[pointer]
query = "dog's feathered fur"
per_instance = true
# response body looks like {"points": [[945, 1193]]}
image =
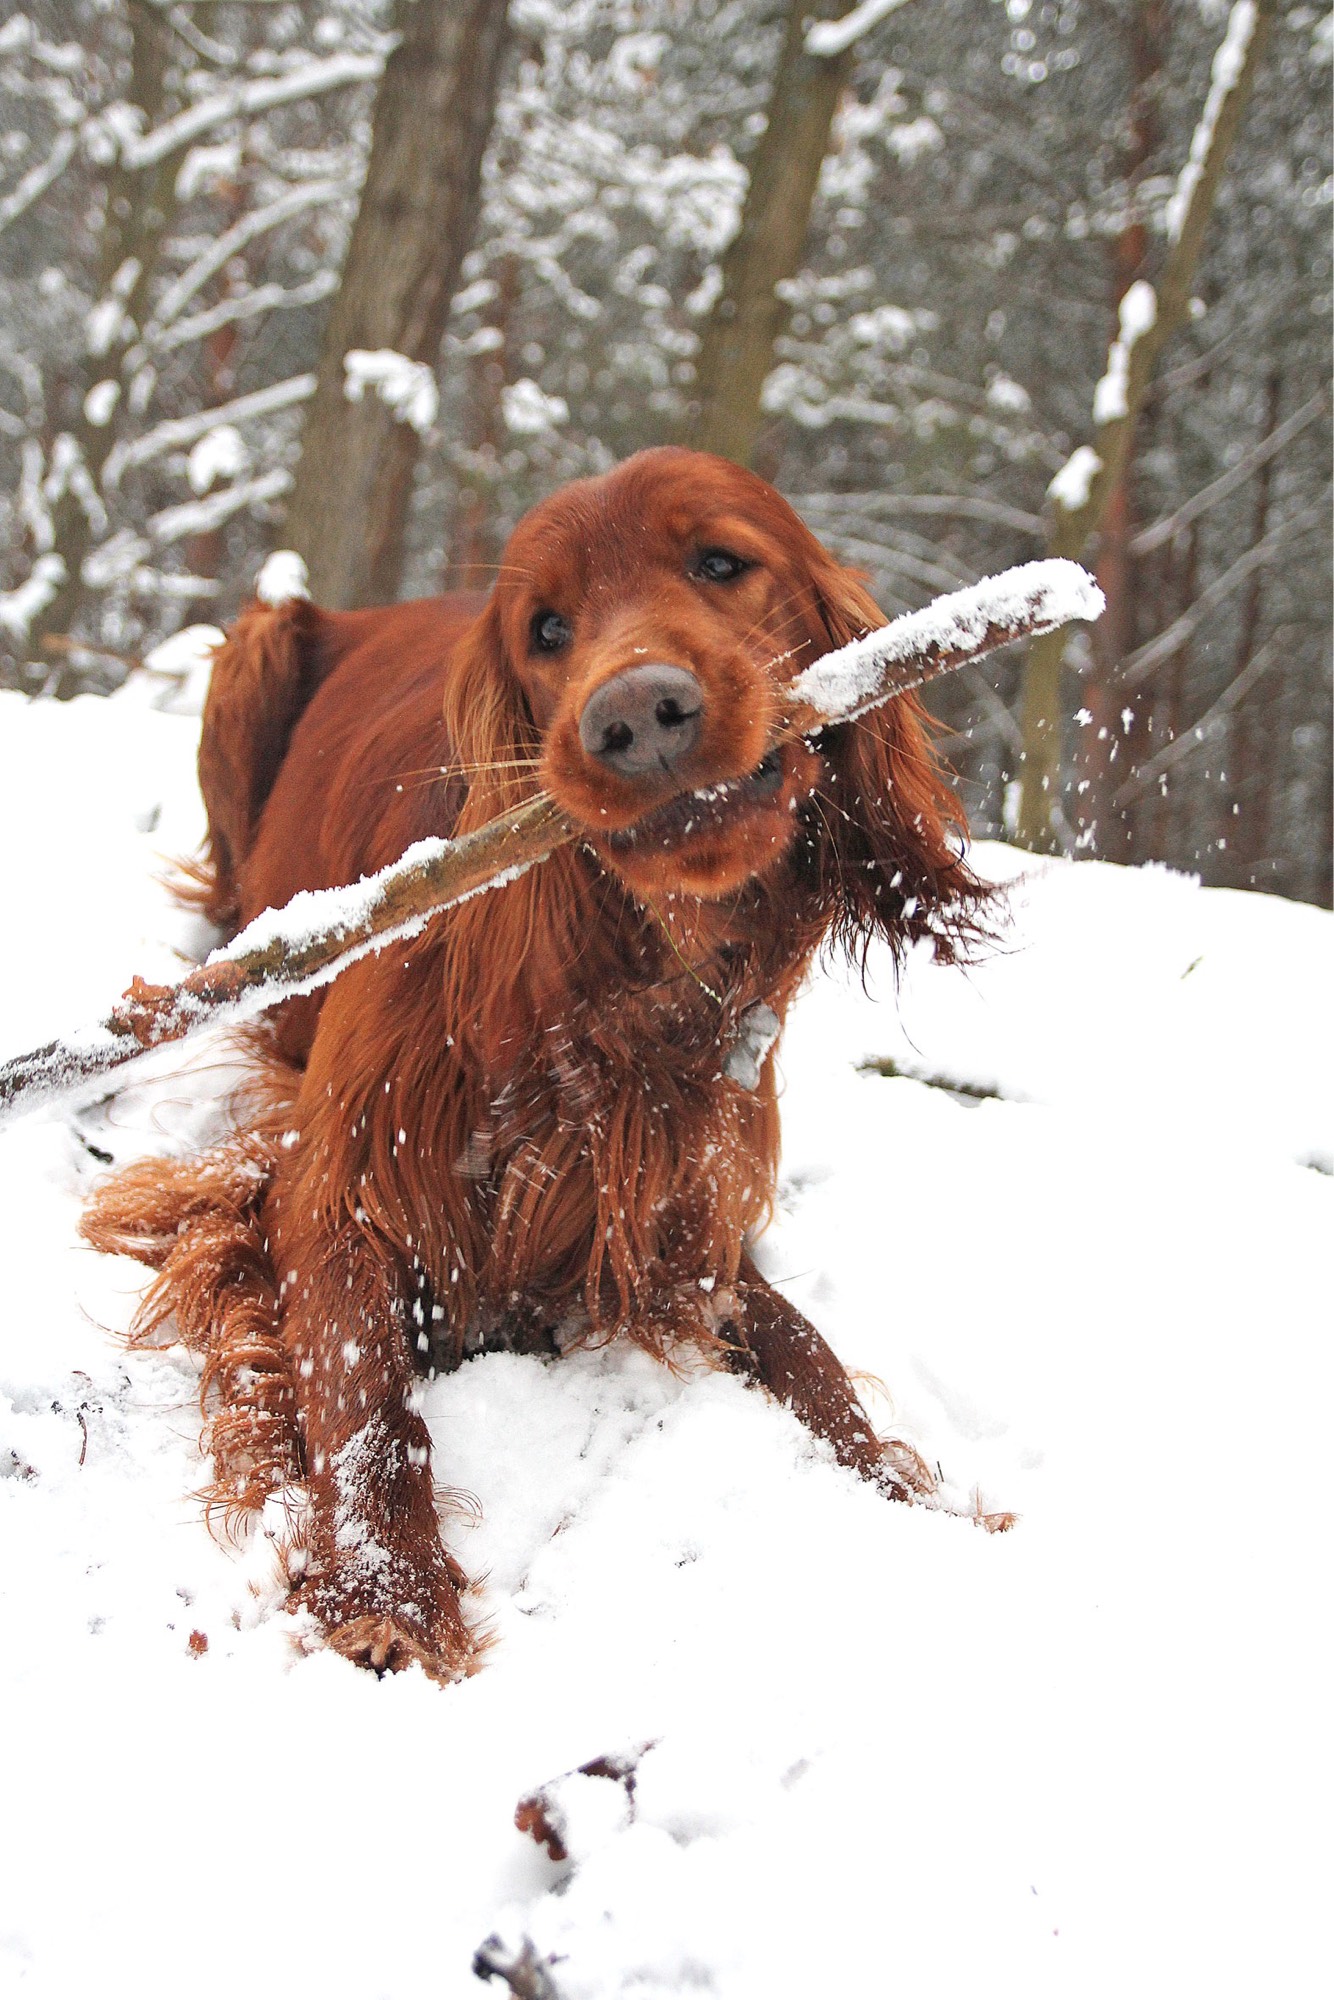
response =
{"points": [[523, 1127]]}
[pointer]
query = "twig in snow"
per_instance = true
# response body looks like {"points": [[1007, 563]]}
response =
{"points": [[527, 1976]]}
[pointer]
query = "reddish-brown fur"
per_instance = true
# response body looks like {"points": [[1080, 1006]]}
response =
{"points": [[521, 1129]]}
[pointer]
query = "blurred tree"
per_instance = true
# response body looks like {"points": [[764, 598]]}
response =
{"points": [[998, 172], [164, 197], [737, 346], [376, 390], [1093, 483]]}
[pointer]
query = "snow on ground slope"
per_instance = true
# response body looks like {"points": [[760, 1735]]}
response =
{"points": [[889, 1752]]}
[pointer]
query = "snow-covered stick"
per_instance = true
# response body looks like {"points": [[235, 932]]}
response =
{"points": [[286, 952], [322, 932], [1020, 603]]}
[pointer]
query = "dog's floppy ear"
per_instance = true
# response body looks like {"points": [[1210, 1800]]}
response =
{"points": [[487, 721], [892, 831], [263, 675]]}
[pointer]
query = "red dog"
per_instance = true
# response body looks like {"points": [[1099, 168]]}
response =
{"points": [[537, 1131]]}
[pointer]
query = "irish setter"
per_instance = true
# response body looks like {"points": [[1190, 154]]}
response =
{"points": [[551, 1120]]}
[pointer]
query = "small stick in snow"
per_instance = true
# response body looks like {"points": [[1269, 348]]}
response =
{"points": [[527, 1976], [321, 932]]}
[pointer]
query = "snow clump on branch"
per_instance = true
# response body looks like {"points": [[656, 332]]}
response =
{"points": [[282, 577], [1139, 310], [406, 388]]}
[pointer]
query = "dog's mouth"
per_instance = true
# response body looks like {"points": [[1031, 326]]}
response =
{"points": [[690, 816]]}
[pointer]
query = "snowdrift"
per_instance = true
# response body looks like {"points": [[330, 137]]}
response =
{"points": [[1070, 1215]]}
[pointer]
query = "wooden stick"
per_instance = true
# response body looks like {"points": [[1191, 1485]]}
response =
{"points": [[321, 932]]}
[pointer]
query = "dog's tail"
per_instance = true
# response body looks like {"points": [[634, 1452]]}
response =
{"points": [[264, 674], [199, 1224]]}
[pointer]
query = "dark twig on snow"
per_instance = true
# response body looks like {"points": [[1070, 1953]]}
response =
{"points": [[526, 1975]]}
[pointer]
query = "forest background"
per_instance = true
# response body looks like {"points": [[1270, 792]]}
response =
{"points": [[367, 279]]}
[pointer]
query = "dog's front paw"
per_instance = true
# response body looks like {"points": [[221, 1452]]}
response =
{"points": [[394, 1619], [386, 1645]]}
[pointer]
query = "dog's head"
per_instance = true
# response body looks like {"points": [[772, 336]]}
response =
{"points": [[638, 646]]}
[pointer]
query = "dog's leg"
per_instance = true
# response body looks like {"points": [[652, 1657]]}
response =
{"points": [[377, 1577], [782, 1351]]}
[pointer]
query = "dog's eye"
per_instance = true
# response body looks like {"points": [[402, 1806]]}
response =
{"points": [[720, 565], [549, 631]]}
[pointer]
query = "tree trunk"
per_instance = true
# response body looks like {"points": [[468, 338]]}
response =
{"points": [[140, 208], [476, 538], [1078, 512], [1251, 747], [433, 112], [1107, 745], [737, 349]]}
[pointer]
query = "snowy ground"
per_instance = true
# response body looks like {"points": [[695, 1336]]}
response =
{"points": [[890, 1753]]}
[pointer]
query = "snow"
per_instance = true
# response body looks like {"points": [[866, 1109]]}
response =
{"points": [[174, 433], [830, 38], [887, 1751], [282, 576], [18, 607], [1229, 61], [1034, 597], [1139, 310], [220, 454], [406, 388], [528, 410], [1072, 484], [185, 660], [100, 402]]}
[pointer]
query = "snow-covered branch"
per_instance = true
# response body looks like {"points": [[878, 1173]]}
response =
{"points": [[197, 517], [320, 933], [830, 38], [1079, 496], [313, 194], [966, 625], [245, 99], [1228, 65], [247, 305], [38, 178], [180, 431]]}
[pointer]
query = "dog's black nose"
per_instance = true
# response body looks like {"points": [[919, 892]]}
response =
{"points": [[645, 719]]}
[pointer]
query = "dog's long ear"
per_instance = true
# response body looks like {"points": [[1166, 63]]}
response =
{"points": [[491, 733], [264, 674], [892, 831]]}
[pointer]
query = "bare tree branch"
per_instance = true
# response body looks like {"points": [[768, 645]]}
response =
{"points": [[1137, 666], [1218, 489]]}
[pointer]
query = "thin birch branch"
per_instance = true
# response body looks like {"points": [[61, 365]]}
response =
{"points": [[238, 100], [1153, 537], [1137, 666], [295, 201], [177, 432], [320, 933]]}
